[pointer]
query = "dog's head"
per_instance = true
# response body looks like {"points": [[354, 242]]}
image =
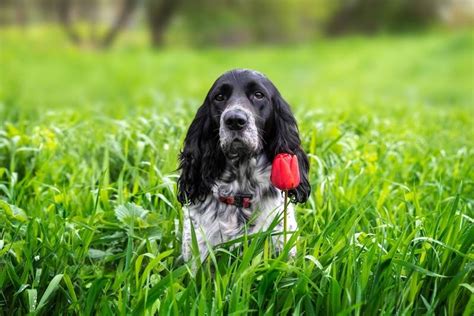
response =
{"points": [[243, 115]]}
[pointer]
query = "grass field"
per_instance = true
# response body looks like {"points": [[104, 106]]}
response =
{"points": [[89, 221]]}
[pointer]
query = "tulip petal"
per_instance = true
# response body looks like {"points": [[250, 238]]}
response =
{"points": [[285, 173], [286, 176], [295, 171]]}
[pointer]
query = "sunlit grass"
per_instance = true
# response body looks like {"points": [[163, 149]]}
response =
{"points": [[88, 212]]}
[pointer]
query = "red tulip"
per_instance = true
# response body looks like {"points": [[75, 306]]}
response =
{"points": [[285, 172]]}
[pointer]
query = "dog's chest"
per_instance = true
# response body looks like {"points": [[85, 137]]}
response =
{"points": [[221, 222]]}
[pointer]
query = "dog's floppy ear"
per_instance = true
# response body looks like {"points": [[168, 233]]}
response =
{"points": [[200, 158], [284, 138]]}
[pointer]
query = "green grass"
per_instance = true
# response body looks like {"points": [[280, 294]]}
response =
{"points": [[88, 209]]}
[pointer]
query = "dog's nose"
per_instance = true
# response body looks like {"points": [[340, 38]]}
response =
{"points": [[235, 120]]}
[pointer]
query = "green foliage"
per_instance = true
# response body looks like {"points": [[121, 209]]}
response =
{"points": [[89, 221], [370, 16], [210, 22]]}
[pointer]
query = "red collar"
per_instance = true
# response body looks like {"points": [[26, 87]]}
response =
{"points": [[239, 200]]}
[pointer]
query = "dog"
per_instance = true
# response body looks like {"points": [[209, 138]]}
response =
{"points": [[225, 164]]}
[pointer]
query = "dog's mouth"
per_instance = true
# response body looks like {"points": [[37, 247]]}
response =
{"points": [[237, 148]]}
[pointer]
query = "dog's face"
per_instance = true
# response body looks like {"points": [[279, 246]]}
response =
{"points": [[241, 106], [242, 115]]}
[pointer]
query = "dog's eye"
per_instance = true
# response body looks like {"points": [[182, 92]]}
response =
{"points": [[259, 95], [219, 97]]}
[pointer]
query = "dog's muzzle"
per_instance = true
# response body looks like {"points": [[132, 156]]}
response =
{"points": [[238, 132]]}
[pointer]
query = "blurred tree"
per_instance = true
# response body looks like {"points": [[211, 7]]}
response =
{"points": [[369, 16], [126, 10], [233, 22], [159, 15], [98, 23], [87, 9], [457, 13], [65, 16], [13, 12], [21, 12], [47, 9], [207, 22]]}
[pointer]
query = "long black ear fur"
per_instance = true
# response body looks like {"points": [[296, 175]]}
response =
{"points": [[285, 138], [201, 158]]}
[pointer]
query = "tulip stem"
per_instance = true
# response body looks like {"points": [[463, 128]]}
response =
{"points": [[285, 205]]}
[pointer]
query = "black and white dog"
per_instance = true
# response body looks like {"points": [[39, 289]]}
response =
{"points": [[227, 159]]}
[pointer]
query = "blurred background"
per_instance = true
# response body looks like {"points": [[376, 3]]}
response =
{"points": [[96, 97], [197, 23], [129, 56]]}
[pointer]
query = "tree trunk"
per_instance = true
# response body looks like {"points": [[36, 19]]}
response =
{"points": [[160, 13], [126, 11], [65, 16], [21, 12]]}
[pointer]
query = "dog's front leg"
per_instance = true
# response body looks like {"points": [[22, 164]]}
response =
{"points": [[190, 226]]}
